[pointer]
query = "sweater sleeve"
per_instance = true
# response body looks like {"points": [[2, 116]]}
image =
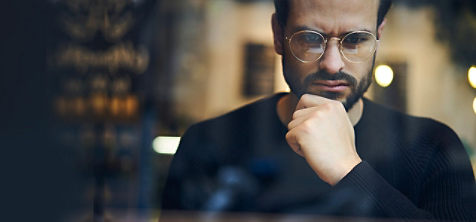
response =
{"points": [[365, 180], [447, 186]]}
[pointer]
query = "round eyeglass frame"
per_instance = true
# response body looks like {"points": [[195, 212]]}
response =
{"points": [[339, 39]]}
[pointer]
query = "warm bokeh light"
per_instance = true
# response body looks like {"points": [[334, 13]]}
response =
{"points": [[383, 75], [474, 105], [472, 76], [166, 144]]}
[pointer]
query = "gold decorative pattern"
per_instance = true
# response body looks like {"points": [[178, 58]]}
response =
{"points": [[87, 17], [119, 56]]}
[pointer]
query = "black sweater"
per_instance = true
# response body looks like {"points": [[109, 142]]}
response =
{"points": [[412, 168]]}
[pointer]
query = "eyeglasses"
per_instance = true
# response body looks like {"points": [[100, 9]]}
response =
{"points": [[309, 46]]}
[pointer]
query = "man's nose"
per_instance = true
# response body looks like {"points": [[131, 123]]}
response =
{"points": [[332, 61]]}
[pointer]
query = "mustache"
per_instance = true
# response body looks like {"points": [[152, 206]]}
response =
{"points": [[323, 75]]}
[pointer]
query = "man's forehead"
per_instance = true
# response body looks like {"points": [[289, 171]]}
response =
{"points": [[346, 5], [334, 15]]}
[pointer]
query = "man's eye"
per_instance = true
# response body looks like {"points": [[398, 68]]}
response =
{"points": [[356, 39], [311, 39]]}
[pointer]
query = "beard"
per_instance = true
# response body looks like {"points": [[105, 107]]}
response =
{"points": [[357, 88]]}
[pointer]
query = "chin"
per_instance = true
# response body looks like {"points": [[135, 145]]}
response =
{"points": [[347, 100], [341, 97]]}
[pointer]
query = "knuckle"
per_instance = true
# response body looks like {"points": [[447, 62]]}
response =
{"points": [[289, 136], [316, 114], [339, 106], [327, 106], [307, 126], [296, 114], [305, 97], [337, 103]]}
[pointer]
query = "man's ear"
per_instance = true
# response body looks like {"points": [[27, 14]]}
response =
{"points": [[380, 28], [277, 35]]}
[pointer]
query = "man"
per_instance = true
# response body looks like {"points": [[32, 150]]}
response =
{"points": [[323, 149]]}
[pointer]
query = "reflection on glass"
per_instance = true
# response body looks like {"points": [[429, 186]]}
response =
{"points": [[166, 144]]}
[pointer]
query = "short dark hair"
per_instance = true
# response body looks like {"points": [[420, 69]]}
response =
{"points": [[282, 10]]}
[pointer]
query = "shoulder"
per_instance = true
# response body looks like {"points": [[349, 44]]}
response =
{"points": [[415, 133], [384, 115], [235, 124], [239, 116], [419, 141]]}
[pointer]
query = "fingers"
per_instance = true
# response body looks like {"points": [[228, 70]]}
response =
{"points": [[292, 141], [300, 116], [308, 100], [311, 107]]}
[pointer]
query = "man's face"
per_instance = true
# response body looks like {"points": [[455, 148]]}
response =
{"points": [[332, 76]]}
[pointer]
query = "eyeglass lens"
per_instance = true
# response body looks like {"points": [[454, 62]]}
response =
{"points": [[309, 46]]}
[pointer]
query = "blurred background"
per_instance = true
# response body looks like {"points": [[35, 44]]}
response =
{"points": [[95, 94]]}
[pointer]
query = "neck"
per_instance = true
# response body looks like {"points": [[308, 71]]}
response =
{"points": [[287, 105]]}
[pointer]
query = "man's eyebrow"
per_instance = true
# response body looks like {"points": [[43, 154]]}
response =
{"points": [[364, 29], [304, 28]]}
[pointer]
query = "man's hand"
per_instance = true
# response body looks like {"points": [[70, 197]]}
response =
{"points": [[322, 133]]}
